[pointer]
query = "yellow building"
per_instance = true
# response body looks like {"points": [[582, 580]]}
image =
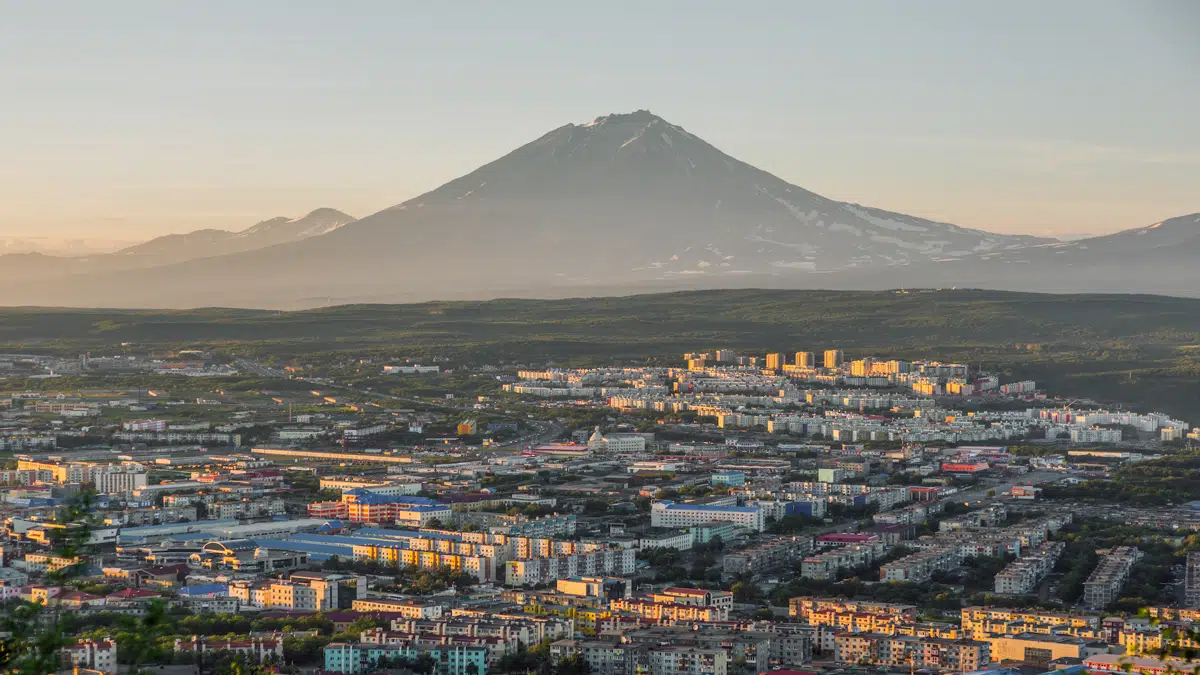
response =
{"points": [[833, 358], [978, 621], [1152, 641], [1041, 648], [662, 611]]}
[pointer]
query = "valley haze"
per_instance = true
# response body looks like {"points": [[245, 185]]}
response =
{"points": [[627, 203]]}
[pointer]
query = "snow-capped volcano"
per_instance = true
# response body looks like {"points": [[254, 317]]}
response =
{"points": [[645, 197]]}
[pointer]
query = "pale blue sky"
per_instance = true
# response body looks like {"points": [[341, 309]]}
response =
{"points": [[128, 119]]}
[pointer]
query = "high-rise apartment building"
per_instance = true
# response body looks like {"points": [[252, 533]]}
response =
{"points": [[1191, 588], [805, 360], [775, 361], [833, 358]]}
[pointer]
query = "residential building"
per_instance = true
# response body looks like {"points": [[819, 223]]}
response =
{"points": [[905, 651], [775, 361], [257, 649], [602, 657], [408, 608], [670, 514], [920, 566], [1023, 575], [830, 564], [978, 622], [1191, 588], [99, 655], [1104, 585], [1041, 649], [681, 660], [766, 555], [357, 658]]}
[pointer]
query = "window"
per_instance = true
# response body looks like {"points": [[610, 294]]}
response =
{"points": [[1038, 656]]}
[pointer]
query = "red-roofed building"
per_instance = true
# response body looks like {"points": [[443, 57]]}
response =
{"points": [[133, 595], [847, 538], [98, 655], [257, 649], [923, 494]]}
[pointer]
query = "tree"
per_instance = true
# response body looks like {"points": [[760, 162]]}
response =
{"points": [[572, 665], [746, 591], [35, 633]]}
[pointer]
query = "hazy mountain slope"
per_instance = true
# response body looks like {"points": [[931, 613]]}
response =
{"points": [[169, 249], [208, 243], [625, 201]]}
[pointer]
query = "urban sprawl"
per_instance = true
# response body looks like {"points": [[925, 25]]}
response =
{"points": [[725, 515]]}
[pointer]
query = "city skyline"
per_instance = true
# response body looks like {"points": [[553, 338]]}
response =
{"points": [[183, 119]]}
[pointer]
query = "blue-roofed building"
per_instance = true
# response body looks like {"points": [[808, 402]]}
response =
{"points": [[366, 496], [352, 540], [315, 551], [666, 513], [400, 535], [153, 533]]}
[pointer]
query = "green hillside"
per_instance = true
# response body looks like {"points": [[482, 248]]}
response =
{"points": [[1138, 349]]}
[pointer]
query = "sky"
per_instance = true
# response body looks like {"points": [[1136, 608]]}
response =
{"points": [[129, 119]]}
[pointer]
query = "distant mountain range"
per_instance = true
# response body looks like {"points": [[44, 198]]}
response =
{"points": [[625, 203], [208, 243], [171, 248]]}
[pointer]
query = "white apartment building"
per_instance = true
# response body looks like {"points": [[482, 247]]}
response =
{"points": [[1096, 435], [673, 515], [531, 571], [125, 479], [98, 655]]}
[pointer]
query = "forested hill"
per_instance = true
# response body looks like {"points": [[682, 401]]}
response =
{"points": [[768, 319], [1139, 350]]}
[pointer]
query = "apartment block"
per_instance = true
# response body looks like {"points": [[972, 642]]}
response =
{"points": [[669, 611], [682, 660], [1104, 585], [1191, 589], [978, 622], [765, 556], [830, 564], [920, 566], [1023, 575], [602, 657], [614, 562], [99, 655], [805, 606], [911, 652], [356, 658], [670, 514]]}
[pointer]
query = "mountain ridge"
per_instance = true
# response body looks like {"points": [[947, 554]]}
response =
{"points": [[627, 201]]}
